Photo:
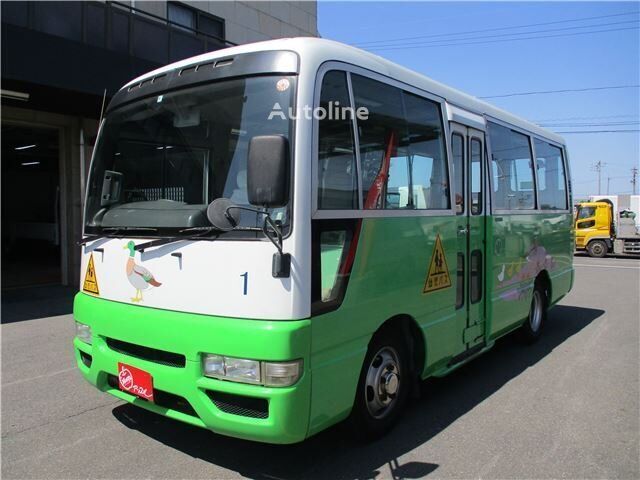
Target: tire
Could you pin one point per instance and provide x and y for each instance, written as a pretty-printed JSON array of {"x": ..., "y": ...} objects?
[
  {"x": 532, "y": 327},
  {"x": 383, "y": 388},
  {"x": 597, "y": 248}
]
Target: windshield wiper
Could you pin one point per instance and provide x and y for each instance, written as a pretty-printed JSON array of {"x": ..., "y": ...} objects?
[
  {"x": 116, "y": 230},
  {"x": 113, "y": 232}
]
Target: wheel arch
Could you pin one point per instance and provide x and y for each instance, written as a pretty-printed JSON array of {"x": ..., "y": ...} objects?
[
  {"x": 412, "y": 335},
  {"x": 544, "y": 279}
]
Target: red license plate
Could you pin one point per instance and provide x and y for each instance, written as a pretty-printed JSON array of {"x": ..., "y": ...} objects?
[{"x": 135, "y": 381}]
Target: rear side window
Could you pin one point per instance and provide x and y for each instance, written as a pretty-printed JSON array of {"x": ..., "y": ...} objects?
[
  {"x": 337, "y": 175},
  {"x": 552, "y": 194},
  {"x": 512, "y": 164},
  {"x": 402, "y": 152}
]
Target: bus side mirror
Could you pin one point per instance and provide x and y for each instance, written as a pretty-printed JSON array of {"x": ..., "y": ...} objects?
[{"x": 268, "y": 171}]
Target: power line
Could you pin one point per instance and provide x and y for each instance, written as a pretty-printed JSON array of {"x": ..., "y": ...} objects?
[
  {"x": 506, "y": 39},
  {"x": 599, "y": 131},
  {"x": 512, "y": 34},
  {"x": 495, "y": 29},
  {"x": 566, "y": 90},
  {"x": 601, "y": 124},
  {"x": 591, "y": 117}
]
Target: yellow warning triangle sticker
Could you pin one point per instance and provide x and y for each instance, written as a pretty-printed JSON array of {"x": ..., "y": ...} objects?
[
  {"x": 90, "y": 280},
  {"x": 438, "y": 275}
]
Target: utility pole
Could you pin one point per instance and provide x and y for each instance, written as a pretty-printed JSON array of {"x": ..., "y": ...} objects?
[
  {"x": 598, "y": 166},
  {"x": 634, "y": 178},
  {"x": 608, "y": 182}
]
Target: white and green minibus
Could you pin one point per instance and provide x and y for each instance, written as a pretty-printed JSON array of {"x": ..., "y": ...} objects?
[{"x": 283, "y": 235}]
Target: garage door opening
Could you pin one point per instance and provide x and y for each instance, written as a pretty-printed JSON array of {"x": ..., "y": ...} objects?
[{"x": 31, "y": 244}]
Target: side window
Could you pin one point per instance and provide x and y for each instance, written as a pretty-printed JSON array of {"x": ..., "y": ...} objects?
[
  {"x": 551, "y": 176},
  {"x": 337, "y": 176},
  {"x": 475, "y": 171},
  {"x": 402, "y": 152},
  {"x": 512, "y": 165},
  {"x": 457, "y": 150},
  {"x": 383, "y": 136},
  {"x": 429, "y": 178}
]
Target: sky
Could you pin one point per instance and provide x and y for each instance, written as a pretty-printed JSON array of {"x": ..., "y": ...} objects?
[{"x": 471, "y": 46}]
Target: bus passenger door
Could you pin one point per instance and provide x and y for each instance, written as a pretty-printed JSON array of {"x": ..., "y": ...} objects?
[{"x": 467, "y": 146}]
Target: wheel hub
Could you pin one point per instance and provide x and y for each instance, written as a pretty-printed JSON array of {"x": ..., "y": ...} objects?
[{"x": 382, "y": 382}]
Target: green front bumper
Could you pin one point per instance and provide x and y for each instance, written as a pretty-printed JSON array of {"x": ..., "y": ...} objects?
[{"x": 192, "y": 335}]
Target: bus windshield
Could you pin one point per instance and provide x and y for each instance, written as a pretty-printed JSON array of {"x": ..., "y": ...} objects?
[{"x": 161, "y": 160}]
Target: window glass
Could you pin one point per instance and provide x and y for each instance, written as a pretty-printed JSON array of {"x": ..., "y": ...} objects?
[
  {"x": 95, "y": 24},
  {"x": 401, "y": 148},
  {"x": 512, "y": 169},
  {"x": 586, "y": 212},
  {"x": 457, "y": 150},
  {"x": 332, "y": 249},
  {"x": 427, "y": 164},
  {"x": 551, "y": 177},
  {"x": 476, "y": 176},
  {"x": 337, "y": 176},
  {"x": 173, "y": 154},
  {"x": 182, "y": 16},
  {"x": 211, "y": 26},
  {"x": 63, "y": 19},
  {"x": 380, "y": 139}
]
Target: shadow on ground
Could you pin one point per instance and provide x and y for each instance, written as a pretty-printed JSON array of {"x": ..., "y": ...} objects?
[
  {"x": 29, "y": 303},
  {"x": 332, "y": 454}
]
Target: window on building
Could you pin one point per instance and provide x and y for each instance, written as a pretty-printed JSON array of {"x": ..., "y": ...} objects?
[
  {"x": 514, "y": 186},
  {"x": 192, "y": 20},
  {"x": 551, "y": 176},
  {"x": 181, "y": 16},
  {"x": 337, "y": 175}
]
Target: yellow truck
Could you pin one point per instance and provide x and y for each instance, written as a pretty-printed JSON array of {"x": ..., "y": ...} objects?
[{"x": 600, "y": 231}]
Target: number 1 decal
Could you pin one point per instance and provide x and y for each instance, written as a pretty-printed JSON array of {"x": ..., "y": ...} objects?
[{"x": 246, "y": 282}]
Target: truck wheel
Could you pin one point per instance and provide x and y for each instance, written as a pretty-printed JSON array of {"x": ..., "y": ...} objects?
[
  {"x": 597, "y": 248},
  {"x": 532, "y": 327},
  {"x": 383, "y": 388}
]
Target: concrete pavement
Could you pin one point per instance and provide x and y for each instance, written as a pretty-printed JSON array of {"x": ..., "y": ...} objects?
[{"x": 566, "y": 407}]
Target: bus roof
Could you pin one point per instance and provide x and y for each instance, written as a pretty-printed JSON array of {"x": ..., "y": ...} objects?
[{"x": 317, "y": 51}]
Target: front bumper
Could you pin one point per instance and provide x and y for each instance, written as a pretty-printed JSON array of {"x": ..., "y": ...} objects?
[{"x": 183, "y": 392}]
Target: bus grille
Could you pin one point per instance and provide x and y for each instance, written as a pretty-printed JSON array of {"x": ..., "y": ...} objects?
[
  {"x": 147, "y": 353},
  {"x": 163, "y": 399},
  {"x": 240, "y": 405}
]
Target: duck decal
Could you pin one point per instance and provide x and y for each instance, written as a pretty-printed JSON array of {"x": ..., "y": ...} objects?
[{"x": 138, "y": 276}]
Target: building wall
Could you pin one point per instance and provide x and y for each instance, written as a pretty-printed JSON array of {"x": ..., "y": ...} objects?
[{"x": 245, "y": 22}]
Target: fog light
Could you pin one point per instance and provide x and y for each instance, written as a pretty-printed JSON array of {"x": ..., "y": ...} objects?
[
  {"x": 83, "y": 332},
  {"x": 282, "y": 374}
]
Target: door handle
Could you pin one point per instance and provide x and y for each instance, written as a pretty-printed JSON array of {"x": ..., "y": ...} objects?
[{"x": 462, "y": 231}]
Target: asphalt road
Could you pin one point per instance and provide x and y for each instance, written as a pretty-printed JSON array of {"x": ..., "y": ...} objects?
[{"x": 566, "y": 407}]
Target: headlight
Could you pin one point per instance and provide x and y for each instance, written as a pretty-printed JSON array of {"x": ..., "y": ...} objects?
[
  {"x": 271, "y": 374},
  {"x": 83, "y": 332}
]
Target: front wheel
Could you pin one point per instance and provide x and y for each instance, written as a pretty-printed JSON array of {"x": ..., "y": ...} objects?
[
  {"x": 383, "y": 387},
  {"x": 597, "y": 248}
]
